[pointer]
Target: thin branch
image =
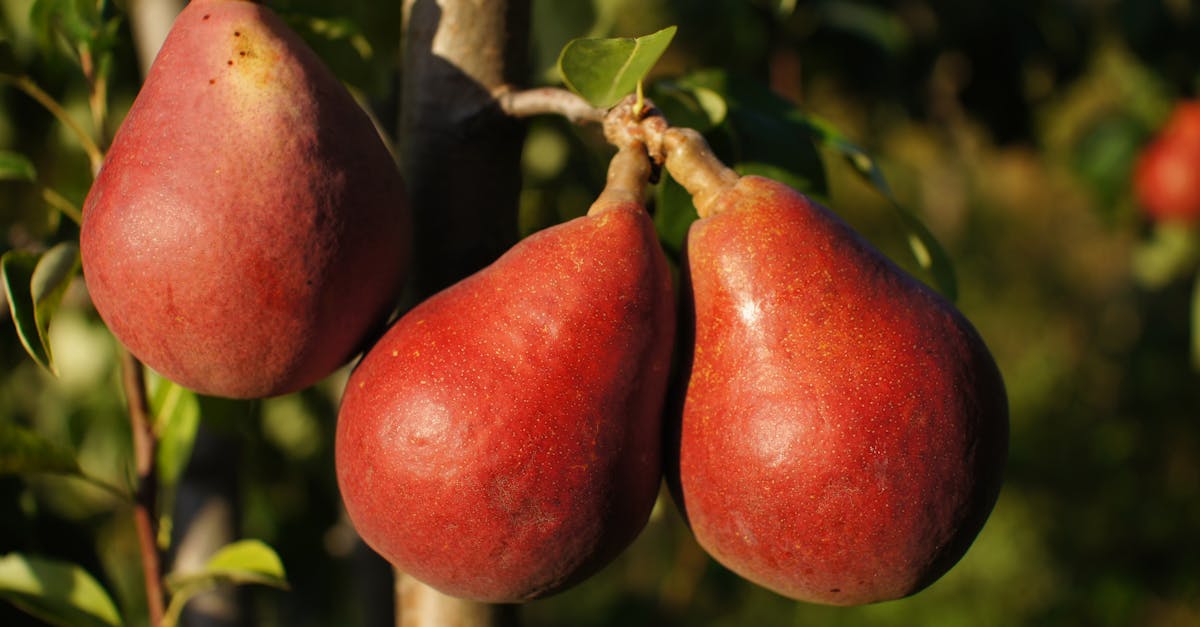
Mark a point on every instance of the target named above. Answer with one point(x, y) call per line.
point(145, 444)
point(25, 84)
point(111, 489)
point(547, 101)
point(64, 206)
point(97, 93)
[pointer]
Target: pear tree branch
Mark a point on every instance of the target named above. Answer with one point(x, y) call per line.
point(145, 444)
point(547, 101)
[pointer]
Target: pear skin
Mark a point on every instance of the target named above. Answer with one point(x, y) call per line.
point(502, 441)
point(841, 432)
point(248, 230)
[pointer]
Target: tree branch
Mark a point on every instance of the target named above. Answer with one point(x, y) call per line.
point(461, 154)
point(31, 89)
point(547, 100)
point(145, 448)
point(425, 607)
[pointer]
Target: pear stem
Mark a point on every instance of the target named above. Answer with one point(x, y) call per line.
point(693, 164)
point(628, 175)
point(635, 121)
point(684, 152)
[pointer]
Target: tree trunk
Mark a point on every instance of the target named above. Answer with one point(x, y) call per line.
point(461, 157)
point(461, 154)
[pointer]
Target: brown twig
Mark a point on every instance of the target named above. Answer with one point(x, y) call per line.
point(547, 100)
point(145, 445)
point(683, 151)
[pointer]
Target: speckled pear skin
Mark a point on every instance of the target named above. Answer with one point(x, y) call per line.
point(249, 228)
point(842, 430)
point(502, 441)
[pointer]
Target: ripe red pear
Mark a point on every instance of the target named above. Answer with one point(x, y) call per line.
point(842, 430)
point(502, 441)
point(1166, 176)
point(248, 229)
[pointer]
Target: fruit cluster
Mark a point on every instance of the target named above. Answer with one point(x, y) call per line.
point(835, 431)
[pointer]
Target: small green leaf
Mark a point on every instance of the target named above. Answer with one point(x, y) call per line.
point(924, 246)
point(177, 413)
point(177, 419)
point(242, 562)
point(16, 167)
point(79, 21)
point(22, 450)
point(57, 592)
point(17, 268)
point(697, 108)
point(35, 285)
point(605, 70)
point(249, 561)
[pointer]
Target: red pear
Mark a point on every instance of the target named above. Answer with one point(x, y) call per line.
point(248, 229)
point(1166, 176)
point(502, 441)
point(841, 429)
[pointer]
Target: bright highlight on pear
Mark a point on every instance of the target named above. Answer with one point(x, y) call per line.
point(248, 229)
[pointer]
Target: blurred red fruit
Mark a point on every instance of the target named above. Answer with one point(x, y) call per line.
point(1166, 178)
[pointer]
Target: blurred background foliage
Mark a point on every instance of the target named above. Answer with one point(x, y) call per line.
point(1009, 127)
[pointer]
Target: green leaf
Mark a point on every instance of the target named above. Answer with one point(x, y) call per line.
point(57, 592)
point(697, 108)
point(177, 413)
point(177, 419)
point(924, 246)
point(79, 21)
point(35, 285)
point(249, 561)
point(16, 167)
point(22, 450)
point(17, 268)
point(242, 562)
point(605, 70)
